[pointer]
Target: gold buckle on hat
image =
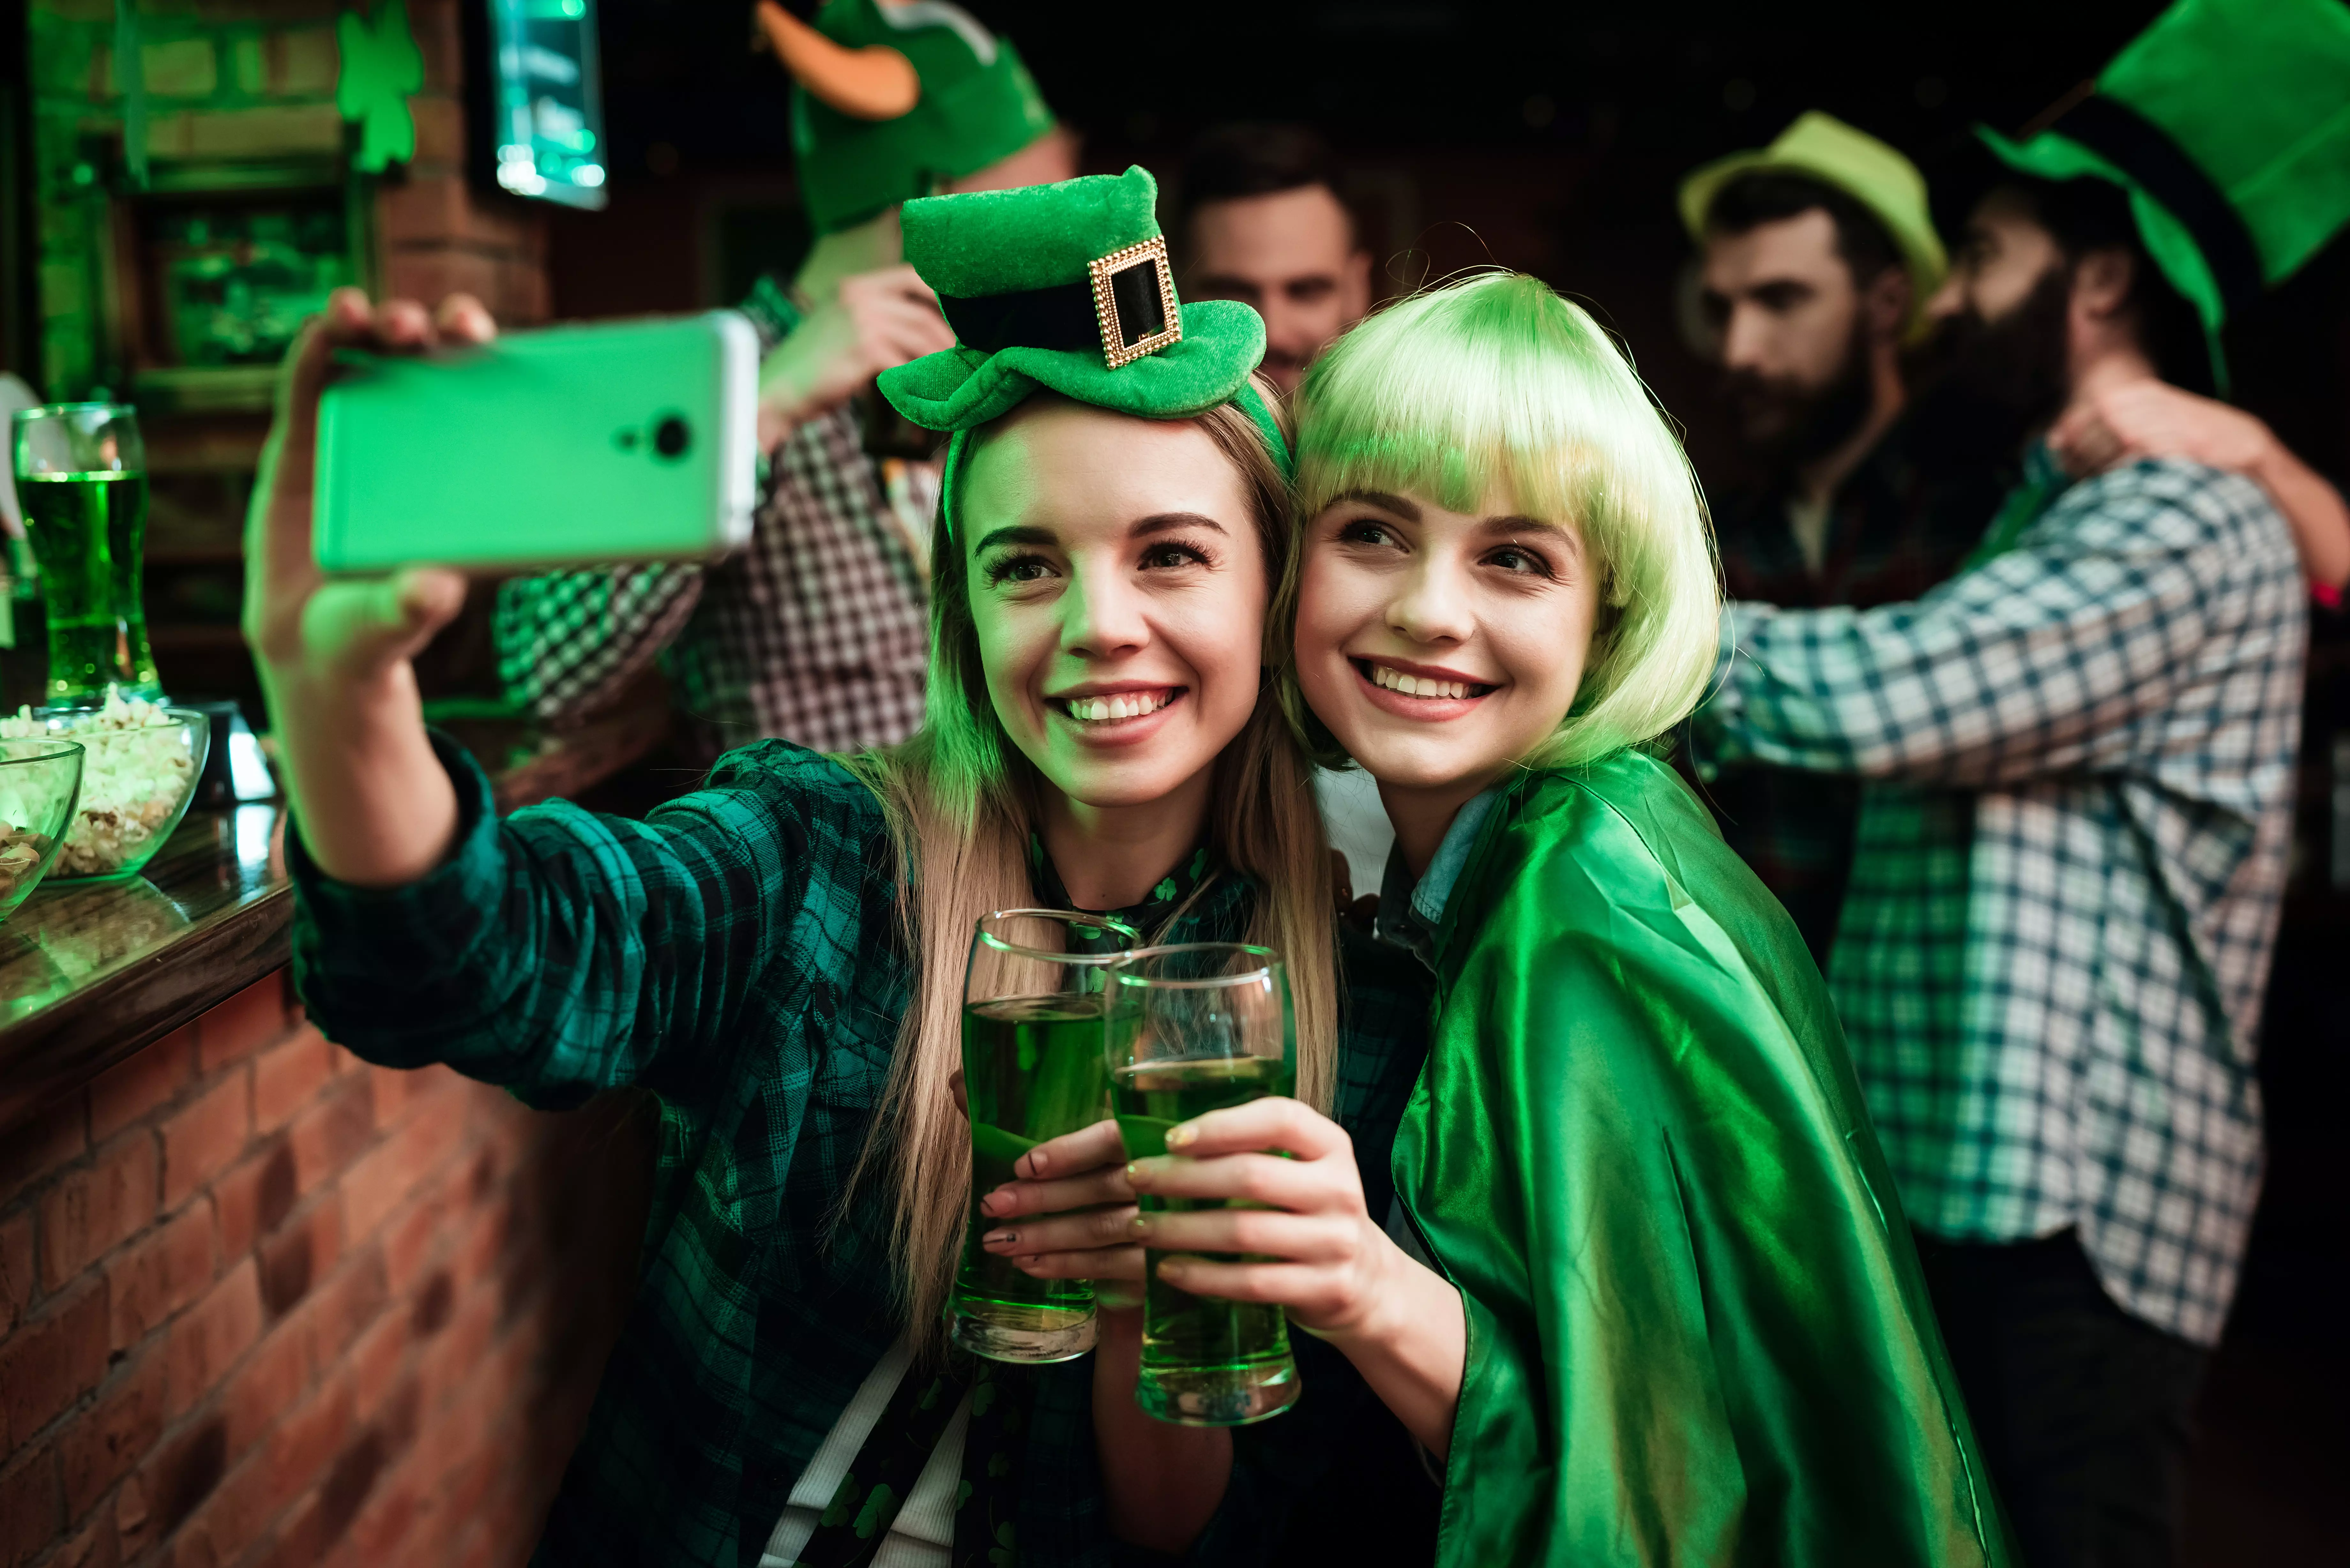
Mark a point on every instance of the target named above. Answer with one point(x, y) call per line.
point(1122, 272)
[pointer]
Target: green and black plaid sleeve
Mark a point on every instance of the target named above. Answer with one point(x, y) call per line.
point(557, 952)
point(738, 953)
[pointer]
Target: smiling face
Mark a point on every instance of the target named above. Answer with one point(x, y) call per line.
point(1439, 646)
point(1117, 589)
point(1290, 255)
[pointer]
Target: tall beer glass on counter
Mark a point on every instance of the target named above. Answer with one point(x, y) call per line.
point(81, 478)
point(1195, 1028)
point(1032, 1069)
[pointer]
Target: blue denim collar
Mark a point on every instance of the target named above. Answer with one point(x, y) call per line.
point(1409, 913)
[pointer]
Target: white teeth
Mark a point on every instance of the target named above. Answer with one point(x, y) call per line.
point(1416, 685)
point(1102, 710)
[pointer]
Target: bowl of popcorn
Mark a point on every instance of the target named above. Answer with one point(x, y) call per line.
point(39, 780)
point(140, 767)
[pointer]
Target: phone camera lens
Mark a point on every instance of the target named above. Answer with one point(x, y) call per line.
point(672, 436)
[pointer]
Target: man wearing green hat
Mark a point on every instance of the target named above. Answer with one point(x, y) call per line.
point(1817, 256)
point(817, 632)
point(2077, 760)
point(1819, 260)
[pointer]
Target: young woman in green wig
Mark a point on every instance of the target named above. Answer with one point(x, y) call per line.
point(779, 956)
point(1648, 1292)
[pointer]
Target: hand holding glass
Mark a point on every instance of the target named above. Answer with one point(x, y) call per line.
point(1033, 1070)
point(1195, 1028)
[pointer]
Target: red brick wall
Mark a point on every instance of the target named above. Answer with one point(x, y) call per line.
point(262, 1303)
point(435, 234)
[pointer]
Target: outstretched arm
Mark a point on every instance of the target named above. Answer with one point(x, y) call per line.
point(2153, 419)
point(374, 805)
point(556, 951)
point(2053, 656)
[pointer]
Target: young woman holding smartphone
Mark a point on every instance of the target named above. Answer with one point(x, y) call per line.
point(778, 957)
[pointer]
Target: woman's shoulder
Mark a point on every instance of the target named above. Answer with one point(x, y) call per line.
point(1584, 845)
point(1609, 887)
point(1626, 810)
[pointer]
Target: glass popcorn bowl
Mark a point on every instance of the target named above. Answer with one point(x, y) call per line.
point(137, 776)
point(40, 780)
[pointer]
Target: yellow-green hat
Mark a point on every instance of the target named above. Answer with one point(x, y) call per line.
point(2228, 122)
point(1823, 148)
point(1067, 286)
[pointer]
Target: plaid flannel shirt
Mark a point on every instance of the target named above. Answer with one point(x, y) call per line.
point(1903, 521)
point(2070, 866)
point(737, 952)
point(817, 632)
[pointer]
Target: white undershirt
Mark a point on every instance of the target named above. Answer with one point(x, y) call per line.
point(1356, 821)
point(1808, 521)
point(922, 1535)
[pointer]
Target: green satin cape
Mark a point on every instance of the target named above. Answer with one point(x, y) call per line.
point(1697, 1329)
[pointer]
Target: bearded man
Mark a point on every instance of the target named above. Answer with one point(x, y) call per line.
point(2078, 763)
point(1819, 257)
point(1818, 254)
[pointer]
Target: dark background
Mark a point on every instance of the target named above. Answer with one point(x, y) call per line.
point(1550, 137)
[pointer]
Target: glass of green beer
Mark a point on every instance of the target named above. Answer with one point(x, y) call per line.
point(81, 478)
point(1032, 1070)
point(1193, 1028)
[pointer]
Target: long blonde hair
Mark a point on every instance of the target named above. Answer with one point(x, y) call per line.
point(962, 800)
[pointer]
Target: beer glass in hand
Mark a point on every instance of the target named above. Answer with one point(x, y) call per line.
point(1195, 1028)
point(1032, 1070)
point(81, 478)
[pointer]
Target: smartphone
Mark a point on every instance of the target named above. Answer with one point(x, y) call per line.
point(569, 446)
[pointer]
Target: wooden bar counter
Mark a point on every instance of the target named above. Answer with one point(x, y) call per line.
point(91, 972)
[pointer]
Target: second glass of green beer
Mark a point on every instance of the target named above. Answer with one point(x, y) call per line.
point(1032, 1070)
point(1193, 1028)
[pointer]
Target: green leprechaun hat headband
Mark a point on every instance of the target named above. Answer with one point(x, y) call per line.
point(1066, 286)
point(895, 99)
point(2228, 122)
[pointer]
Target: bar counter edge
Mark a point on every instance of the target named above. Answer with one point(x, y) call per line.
point(93, 972)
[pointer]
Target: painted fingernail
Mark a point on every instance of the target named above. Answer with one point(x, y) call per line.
point(1138, 1227)
point(999, 1238)
point(1030, 1165)
point(1172, 1268)
point(1135, 1173)
point(996, 1202)
point(1182, 1136)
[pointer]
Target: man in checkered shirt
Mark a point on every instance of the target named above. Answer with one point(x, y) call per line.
point(2078, 765)
point(819, 631)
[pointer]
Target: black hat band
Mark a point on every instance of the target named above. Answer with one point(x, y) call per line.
point(1125, 308)
point(2144, 151)
point(1061, 316)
